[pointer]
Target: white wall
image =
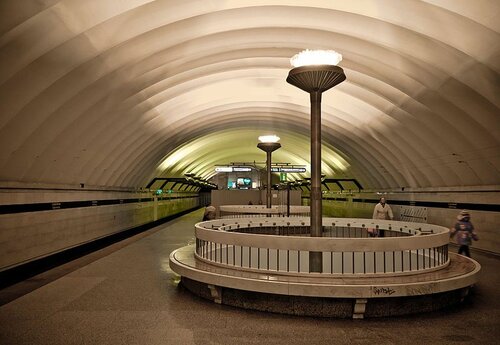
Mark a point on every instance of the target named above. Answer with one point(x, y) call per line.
point(29, 235)
point(486, 222)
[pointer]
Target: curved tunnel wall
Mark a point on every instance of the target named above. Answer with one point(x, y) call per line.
point(111, 94)
point(101, 92)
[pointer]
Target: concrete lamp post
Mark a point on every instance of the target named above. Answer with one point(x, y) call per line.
point(315, 72)
point(268, 143)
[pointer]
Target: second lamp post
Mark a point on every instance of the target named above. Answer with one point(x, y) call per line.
point(268, 143)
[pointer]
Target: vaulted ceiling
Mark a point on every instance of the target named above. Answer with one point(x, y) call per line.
point(116, 92)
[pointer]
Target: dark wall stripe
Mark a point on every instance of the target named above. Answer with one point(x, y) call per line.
point(47, 206)
point(430, 204)
point(36, 207)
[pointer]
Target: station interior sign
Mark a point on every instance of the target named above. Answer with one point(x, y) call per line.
point(288, 170)
point(232, 169)
point(248, 169)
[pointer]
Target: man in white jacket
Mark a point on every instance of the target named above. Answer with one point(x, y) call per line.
point(382, 210)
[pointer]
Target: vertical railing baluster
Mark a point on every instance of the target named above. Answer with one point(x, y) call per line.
point(393, 261)
point(298, 261)
point(385, 270)
point(364, 262)
point(288, 260)
point(402, 262)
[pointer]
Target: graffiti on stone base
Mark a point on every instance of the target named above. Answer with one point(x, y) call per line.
point(383, 291)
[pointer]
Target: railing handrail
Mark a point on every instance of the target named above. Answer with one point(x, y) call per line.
point(281, 251)
point(345, 222)
point(306, 243)
point(262, 209)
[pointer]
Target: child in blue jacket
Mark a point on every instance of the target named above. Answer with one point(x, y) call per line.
point(464, 230)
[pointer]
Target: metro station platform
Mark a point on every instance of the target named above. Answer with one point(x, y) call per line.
point(127, 294)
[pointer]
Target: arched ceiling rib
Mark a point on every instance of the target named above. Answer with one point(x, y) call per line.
point(103, 92)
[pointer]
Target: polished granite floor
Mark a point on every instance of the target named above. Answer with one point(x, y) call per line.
point(126, 294)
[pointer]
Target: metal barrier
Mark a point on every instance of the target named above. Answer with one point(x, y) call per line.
point(282, 245)
point(246, 211)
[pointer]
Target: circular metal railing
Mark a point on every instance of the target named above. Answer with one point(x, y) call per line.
point(282, 245)
point(246, 211)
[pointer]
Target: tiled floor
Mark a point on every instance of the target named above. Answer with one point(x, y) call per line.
point(131, 297)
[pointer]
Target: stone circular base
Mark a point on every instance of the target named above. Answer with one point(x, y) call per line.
point(324, 306)
point(327, 296)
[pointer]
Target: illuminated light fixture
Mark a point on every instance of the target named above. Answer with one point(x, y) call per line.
point(315, 71)
point(316, 57)
point(268, 144)
point(269, 138)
